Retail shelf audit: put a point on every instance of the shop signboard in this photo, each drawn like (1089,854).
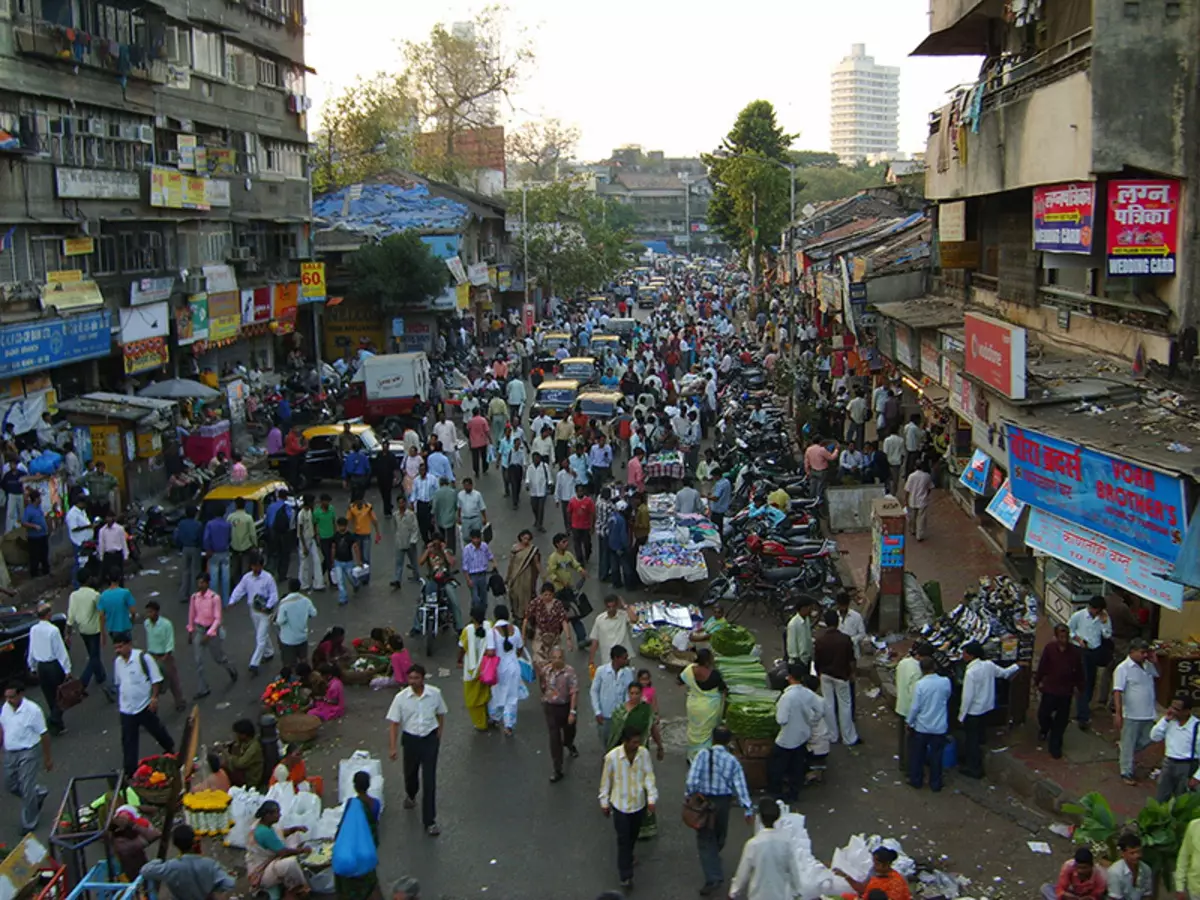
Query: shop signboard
(287,295)
(49,343)
(97,184)
(975,476)
(952,221)
(224,315)
(312,282)
(931,359)
(80,246)
(1100,555)
(191,320)
(1005,508)
(1118,499)
(455,265)
(477,274)
(995,354)
(1063,216)
(137,323)
(151,290)
(904,347)
(145,355)
(256,305)
(1143,227)
(463,296)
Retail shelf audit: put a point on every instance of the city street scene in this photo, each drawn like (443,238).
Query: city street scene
(590,452)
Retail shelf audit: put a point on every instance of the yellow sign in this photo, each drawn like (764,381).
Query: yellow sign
(64,276)
(312,281)
(194,196)
(84,246)
(463,296)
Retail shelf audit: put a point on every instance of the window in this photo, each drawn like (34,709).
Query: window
(214,246)
(58,12)
(178,45)
(140,251)
(105,256)
(208,53)
(268,72)
(283,158)
(46,253)
(239,66)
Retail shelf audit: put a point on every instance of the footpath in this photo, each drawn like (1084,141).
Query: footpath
(955,553)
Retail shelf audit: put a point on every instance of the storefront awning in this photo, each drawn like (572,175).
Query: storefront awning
(72,296)
(923,312)
(120,407)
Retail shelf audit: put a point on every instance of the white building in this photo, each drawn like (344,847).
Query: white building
(864,108)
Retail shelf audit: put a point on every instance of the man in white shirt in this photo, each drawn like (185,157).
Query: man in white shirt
(797,711)
(1089,629)
(259,590)
(418,716)
(978,699)
(47,658)
(1178,730)
(918,497)
(851,622)
(138,682)
(23,729)
(908,673)
(857,412)
(768,869)
(914,442)
(850,461)
(79,530)
(893,449)
(612,628)
(447,433)
(1133,704)
(799,634)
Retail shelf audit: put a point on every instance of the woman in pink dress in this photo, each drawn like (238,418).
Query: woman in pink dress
(333,704)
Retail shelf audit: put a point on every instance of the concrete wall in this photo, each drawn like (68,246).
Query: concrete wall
(890,288)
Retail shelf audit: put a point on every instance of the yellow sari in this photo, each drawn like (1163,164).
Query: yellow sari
(703,712)
(475,693)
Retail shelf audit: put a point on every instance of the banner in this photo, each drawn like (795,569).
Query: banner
(287,296)
(47,343)
(1116,498)
(456,269)
(224,316)
(1143,227)
(975,476)
(256,305)
(1005,508)
(312,282)
(191,320)
(145,355)
(1063,216)
(84,246)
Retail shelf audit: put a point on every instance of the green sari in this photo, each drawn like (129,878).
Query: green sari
(704,708)
(640,717)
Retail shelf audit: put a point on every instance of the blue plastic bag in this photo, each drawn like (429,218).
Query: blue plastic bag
(527,674)
(354,853)
(45,463)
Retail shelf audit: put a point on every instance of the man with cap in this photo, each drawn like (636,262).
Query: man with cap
(1133,704)
(978,699)
(48,659)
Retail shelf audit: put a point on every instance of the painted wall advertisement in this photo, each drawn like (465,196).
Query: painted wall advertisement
(1143,227)
(1115,498)
(1063,216)
(995,354)
(145,355)
(1112,561)
(47,343)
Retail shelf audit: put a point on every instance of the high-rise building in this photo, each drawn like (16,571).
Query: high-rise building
(864,107)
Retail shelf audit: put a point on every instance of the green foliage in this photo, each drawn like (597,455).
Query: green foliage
(364,131)
(399,271)
(818,184)
(1098,823)
(803,159)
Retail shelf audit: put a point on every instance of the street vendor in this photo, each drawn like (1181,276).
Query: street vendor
(131,835)
(245,756)
(271,854)
(709,626)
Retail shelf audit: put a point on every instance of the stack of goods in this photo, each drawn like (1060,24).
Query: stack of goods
(155,778)
(286,697)
(1002,616)
(668,464)
(208,812)
(733,646)
(657,642)
(702,534)
(666,560)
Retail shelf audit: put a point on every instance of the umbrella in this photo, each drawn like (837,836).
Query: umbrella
(178,389)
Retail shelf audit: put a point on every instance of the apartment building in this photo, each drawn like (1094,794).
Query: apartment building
(864,108)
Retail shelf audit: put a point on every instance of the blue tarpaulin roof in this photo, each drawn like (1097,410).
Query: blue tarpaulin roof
(380,210)
(658,247)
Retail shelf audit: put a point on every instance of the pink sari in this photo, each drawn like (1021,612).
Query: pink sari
(333,704)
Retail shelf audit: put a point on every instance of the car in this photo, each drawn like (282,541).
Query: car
(323,460)
(258,494)
(14,641)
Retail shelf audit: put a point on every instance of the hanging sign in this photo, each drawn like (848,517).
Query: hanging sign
(1143,227)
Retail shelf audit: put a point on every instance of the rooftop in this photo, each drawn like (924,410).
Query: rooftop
(379,210)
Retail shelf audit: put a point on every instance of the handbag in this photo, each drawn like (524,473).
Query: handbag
(70,693)
(698,810)
(489,670)
(354,853)
(496,585)
(526,664)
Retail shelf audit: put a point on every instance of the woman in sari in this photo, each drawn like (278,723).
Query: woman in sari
(333,704)
(545,621)
(472,644)
(504,640)
(412,468)
(705,701)
(271,854)
(361,887)
(524,569)
(637,713)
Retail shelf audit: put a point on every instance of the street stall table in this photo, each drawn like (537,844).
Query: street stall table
(668,465)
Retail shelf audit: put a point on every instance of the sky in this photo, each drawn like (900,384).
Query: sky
(669,75)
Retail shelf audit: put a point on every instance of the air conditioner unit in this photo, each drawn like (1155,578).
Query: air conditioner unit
(195,284)
(146,134)
(170,156)
(129,132)
(239,253)
(97,127)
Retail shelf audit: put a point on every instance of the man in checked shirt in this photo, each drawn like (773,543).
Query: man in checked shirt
(717,774)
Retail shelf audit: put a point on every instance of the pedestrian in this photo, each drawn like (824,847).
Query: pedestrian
(23,725)
(537,481)
(292,616)
(472,642)
(479,438)
(1178,730)
(385,476)
(564,490)
(417,718)
(205,633)
(857,412)
(545,621)
(564,434)
(33,520)
(515,471)
(406,531)
(834,659)
(420,496)
(718,777)
(798,711)
(478,563)
(914,442)
(497,410)
(189,876)
(444,509)
(1058,677)
(918,492)
(325,520)
(1133,704)
(308,546)
(356,471)
(363,523)
(258,589)
(362,885)
(83,618)
(1091,630)
(893,451)
(618,544)
(1129,878)
(927,722)
(345,554)
(720,499)
(799,637)
(582,513)
(505,643)
(112,543)
(627,793)
(160,644)
(816,465)
(908,673)
(768,869)
(216,543)
(47,658)
(609,689)
(612,627)
(600,460)
(189,538)
(243,540)
(472,509)
(80,531)
(978,699)
(560,704)
(138,681)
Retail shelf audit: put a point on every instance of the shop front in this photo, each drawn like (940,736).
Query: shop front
(347,324)
(67,345)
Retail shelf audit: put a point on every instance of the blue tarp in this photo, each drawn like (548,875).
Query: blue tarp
(385,209)
(659,247)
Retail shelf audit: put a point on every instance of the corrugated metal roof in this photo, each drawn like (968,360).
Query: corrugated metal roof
(380,210)
(923,312)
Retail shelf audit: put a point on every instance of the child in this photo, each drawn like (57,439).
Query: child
(648,692)
(818,744)
(401,661)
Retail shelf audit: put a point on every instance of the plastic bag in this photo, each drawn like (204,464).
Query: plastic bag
(360,761)
(327,825)
(491,454)
(283,793)
(918,608)
(354,853)
(243,805)
(902,864)
(526,665)
(305,813)
(816,880)
(854,859)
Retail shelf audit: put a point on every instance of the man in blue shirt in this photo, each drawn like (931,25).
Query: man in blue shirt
(33,520)
(720,499)
(280,534)
(579,465)
(189,537)
(600,459)
(116,606)
(438,464)
(356,471)
(217,532)
(927,722)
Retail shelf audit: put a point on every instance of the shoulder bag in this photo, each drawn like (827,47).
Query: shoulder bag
(698,811)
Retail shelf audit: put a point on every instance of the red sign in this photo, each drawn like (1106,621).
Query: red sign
(995,354)
(1143,227)
(1062,217)
(529,318)
(145,355)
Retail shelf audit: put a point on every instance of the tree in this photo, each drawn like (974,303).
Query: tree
(399,271)
(817,183)
(364,131)
(807,158)
(749,206)
(536,148)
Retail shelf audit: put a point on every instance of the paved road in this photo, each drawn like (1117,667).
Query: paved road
(507,832)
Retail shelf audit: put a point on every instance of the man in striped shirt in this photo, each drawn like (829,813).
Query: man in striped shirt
(627,792)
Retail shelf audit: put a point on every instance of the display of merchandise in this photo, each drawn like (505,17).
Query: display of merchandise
(1001,615)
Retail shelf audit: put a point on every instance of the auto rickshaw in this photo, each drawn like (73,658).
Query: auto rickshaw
(558,395)
(599,404)
(323,459)
(578,368)
(258,494)
(552,340)
(603,341)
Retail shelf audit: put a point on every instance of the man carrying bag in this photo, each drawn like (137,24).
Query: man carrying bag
(714,779)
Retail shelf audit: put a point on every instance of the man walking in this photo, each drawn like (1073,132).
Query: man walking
(717,775)
(216,545)
(1178,730)
(205,632)
(1090,628)
(798,711)
(479,436)
(292,618)
(610,688)
(83,618)
(189,876)
(612,628)
(160,644)
(768,869)
(79,529)
(1133,704)
(908,673)
(833,656)
(407,528)
(477,563)
(23,729)
(258,589)
(1059,675)
(978,699)
(918,492)
(385,477)
(189,538)
(418,716)
(816,465)
(582,513)
(472,510)
(281,533)
(424,487)
(799,636)
(312,561)
(537,481)
(138,682)
(243,539)
(927,717)
(444,508)
(627,792)
(47,658)
(560,702)
(893,450)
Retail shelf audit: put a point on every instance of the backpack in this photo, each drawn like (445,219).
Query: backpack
(282,523)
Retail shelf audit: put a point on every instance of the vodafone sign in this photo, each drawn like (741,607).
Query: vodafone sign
(995,354)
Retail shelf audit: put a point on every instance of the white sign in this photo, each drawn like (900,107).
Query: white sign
(512,223)
(216,193)
(141,322)
(97,184)
(952,222)
(151,290)
(220,279)
(477,273)
(454,264)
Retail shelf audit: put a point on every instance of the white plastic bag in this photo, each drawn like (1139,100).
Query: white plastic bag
(327,824)
(242,807)
(305,813)
(283,793)
(902,864)
(854,859)
(360,761)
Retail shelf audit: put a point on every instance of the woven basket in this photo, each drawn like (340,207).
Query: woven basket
(298,728)
(358,676)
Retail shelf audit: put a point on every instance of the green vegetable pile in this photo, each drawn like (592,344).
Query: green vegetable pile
(655,645)
(732,640)
(751,718)
(742,670)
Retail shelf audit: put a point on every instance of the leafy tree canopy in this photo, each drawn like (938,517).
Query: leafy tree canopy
(397,272)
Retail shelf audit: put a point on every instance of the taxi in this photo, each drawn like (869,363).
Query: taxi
(552,340)
(597,404)
(558,395)
(603,341)
(323,459)
(258,493)
(578,368)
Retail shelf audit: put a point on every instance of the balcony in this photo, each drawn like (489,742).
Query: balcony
(46,40)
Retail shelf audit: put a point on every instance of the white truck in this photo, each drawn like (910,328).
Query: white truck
(387,387)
